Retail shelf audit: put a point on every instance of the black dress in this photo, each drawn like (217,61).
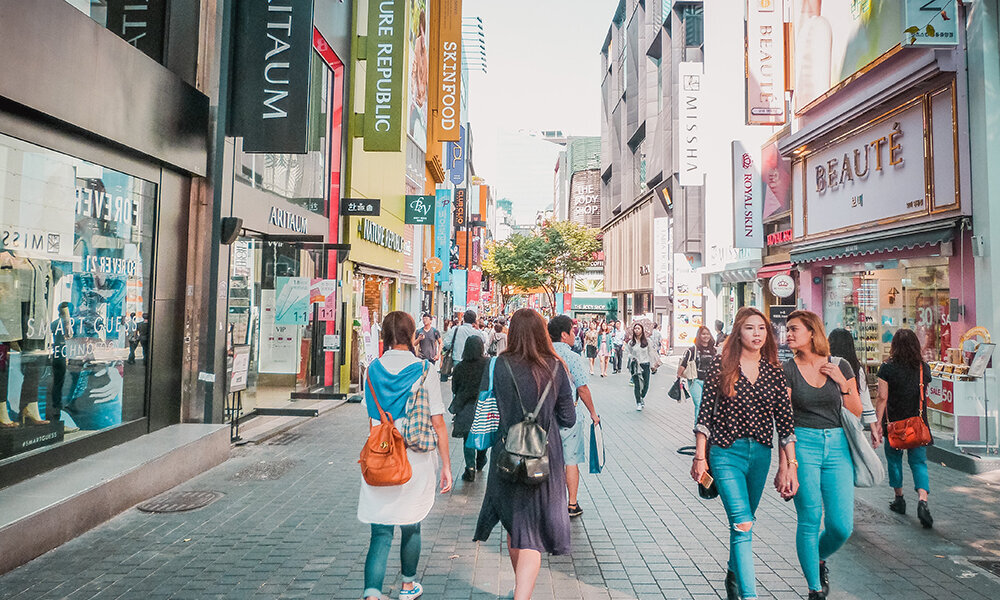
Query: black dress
(466,379)
(535,516)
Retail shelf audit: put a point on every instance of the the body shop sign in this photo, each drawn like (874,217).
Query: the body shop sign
(765,64)
(384,75)
(874,174)
(748,226)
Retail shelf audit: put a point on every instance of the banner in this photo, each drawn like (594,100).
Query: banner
(475,285)
(418,74)
(765,63)
(748,226)
(776,178)
(691,162)
(455,158)
(272,53)
(460,295)
(442,233)
(384,76)
(446,81)
(419,210)
(141,24)
(779,322)
(461,208)
(662,249)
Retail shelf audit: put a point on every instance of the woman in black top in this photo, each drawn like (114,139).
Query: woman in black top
(820,386)
(899,398)
(465,389)
(745,401)
(702,352)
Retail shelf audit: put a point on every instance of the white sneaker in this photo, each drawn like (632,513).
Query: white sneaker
(416,592)
(638,407)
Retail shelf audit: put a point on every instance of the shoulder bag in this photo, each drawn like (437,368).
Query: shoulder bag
(912,432)
(383,457)
(524,455)
(418,430)
(486,422)
(868,469)
(691,369)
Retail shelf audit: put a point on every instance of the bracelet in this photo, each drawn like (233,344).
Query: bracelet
(848,393)
(696,458)
(792,463)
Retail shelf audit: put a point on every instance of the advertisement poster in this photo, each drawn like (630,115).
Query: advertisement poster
(442,233)
(776,175)
(292,300)
(240,368)
(419,69)
(461,289)
(779,322)
(688,305)
(941,395)
(279,344)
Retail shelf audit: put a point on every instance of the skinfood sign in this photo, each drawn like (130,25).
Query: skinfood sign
(873,174)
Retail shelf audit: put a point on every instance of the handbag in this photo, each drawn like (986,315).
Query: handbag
(486,422)
(691,368)
(675,390)
(447,364)
(494,346)
(868,469)
(712,491)
(383,457)
(418,430)
(912,432)
(524,455)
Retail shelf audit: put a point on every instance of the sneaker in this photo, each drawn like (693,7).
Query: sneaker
(416,592)
(924,514)
(898,505)
(469,475)
(575,510)
(824,577)
(817,595)
(638,407)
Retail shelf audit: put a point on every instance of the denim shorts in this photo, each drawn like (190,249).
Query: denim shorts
(574,442)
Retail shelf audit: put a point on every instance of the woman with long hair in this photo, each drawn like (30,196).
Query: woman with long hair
(534,516)
(392,378)
(745,401)
(466,378)
(820,386)
(842,345)
(605,348)
(702,353)
(899,398)
(590,342)
(640,354)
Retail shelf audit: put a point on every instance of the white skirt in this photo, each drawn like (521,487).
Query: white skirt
(402,504)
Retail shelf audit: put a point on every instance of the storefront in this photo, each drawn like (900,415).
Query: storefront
(594,308)
(629,258)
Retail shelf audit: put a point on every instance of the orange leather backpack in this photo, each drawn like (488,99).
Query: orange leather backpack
(383,457)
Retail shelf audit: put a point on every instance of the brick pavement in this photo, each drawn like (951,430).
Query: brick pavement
(286,528)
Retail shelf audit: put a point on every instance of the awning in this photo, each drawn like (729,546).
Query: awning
(770,271)
(743,275)
(366,269)
(884,241)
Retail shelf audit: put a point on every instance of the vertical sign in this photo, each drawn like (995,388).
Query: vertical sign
(475,285)
(461,207)
(765,63)
(690,167)
(455,158)
(272,47)
(779,322)
(748,226)
(141,23)
(384,75)
(661,256)
(446,95)
(460,289)
(442,233)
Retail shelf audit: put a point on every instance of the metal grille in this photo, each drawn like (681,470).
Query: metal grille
(990,564)
(179,501)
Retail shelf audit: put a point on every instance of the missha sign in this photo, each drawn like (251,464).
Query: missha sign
(384,75)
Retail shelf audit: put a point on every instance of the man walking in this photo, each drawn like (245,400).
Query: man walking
(429,341)
(618,340)
(573,438)
(461,335)
(656,338)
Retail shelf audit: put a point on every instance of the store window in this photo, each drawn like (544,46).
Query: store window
(75,264)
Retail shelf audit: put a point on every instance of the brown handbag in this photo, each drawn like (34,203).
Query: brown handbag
(383,457)
(912,432)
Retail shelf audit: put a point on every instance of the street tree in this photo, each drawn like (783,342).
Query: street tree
(569,249)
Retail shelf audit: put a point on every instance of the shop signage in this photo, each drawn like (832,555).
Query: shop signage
(360,207)
(384,80)
(689,134)
(460,289)
(140,23)
(779,237)
(419,210)
(240,368)
(445,102)
(433,265)
(456,158)
(292,300)
(930,23)
(779,322)
(272,50)
(748,226)
(475,285)
(661,256)
(782,285)
(442,233)
(377,234)
(461,207)
(288,220)
(875,174)
(643,269)
(585,197)
(941,395)
(593,304)
(765,63)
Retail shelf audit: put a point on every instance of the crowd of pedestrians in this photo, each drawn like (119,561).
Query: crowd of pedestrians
(531,377)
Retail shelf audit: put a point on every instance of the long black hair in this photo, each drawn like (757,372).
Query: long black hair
(842,345)
(642,337)
(905,349)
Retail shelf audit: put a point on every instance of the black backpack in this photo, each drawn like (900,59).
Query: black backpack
(524,455)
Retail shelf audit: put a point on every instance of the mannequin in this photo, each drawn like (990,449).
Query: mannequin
(24,286)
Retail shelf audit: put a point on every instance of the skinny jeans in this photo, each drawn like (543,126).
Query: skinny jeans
(917,458)
(697,389)
(378,556)
(640,383)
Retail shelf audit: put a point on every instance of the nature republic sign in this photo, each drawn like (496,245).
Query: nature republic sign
(384,78)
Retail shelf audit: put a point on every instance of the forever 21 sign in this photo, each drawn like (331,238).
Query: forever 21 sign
(269,98)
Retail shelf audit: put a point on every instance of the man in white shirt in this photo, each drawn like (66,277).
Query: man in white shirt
(461,335)
(618,340)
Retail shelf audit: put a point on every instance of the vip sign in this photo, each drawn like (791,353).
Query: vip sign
(384,76)
(748,226)
(765,64)
(691,168)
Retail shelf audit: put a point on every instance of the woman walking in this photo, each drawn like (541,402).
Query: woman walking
(842,345)
(820,386)
(639,355)
(745,401)
(534,516)
(605,348)
(901,383)
(702,353)
(391,380)
(498,341)
(465,388)
(590,342)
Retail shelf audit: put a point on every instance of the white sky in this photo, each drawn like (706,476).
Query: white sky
(544,67)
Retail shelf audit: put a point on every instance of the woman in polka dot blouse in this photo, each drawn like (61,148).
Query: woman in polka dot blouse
(745,401)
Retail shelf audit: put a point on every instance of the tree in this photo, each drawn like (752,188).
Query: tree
(514,263)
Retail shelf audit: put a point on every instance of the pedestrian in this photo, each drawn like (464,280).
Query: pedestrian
(497,340)
(656,339)
(466,378)
(590,342)
(461,334)
(605,348)
(573,438)
(720,334)
(618,341)
(745,402)
(534,516)
(820,386)
(702,353)
(842,345)
(429,340)
(899,398)
(640,355)
(392,378)
(578,337)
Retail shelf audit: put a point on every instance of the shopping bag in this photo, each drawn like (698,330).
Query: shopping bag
(675,390)
(486,421)
(596,448)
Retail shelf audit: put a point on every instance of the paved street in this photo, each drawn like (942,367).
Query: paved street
(286,528)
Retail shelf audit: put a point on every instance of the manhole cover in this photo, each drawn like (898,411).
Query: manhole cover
(265,470)
(179,501)
(284,439)
(990,564)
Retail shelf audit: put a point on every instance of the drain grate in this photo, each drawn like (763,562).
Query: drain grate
(989,564)
(179,501)
(284,439)
(266,470)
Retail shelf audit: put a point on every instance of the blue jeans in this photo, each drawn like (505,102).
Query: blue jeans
(917,457)
(378,556)
(697,388)
(826,493)
(740,473)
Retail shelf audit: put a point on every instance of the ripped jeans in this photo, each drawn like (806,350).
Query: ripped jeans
(740,472)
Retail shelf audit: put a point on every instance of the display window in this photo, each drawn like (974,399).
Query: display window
(75,267)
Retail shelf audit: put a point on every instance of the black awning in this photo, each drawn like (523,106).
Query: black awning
(944,232)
